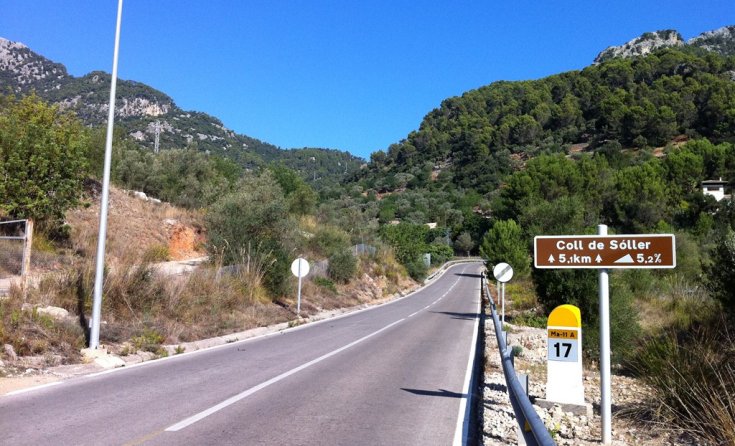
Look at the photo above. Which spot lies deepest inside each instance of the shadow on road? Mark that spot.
(461, 316)
(81, 296)
(476, 276)
(440, 392)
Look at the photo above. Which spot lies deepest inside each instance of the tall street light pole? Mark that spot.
(94, 338)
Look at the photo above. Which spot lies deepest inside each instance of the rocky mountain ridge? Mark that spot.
(143, 111)
(721, 40)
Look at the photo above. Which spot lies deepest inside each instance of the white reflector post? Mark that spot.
(94, 337)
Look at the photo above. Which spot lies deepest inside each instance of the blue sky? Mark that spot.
(347, 75)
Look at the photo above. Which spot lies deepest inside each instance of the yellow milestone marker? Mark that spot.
(564, 366)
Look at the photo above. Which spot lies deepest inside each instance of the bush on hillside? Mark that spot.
(342, 266)
(721, 275)
(579, 287)
(328, 240)
(42, 160)
(504, 242)
(256, 214)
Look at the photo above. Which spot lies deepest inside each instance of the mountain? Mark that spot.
(142, 111)
(672, 90)
(721, 41)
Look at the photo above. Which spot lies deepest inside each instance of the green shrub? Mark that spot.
(342, 266)
(328, 240)
(721, 275)
(255, 215)
(440, 253)
(325, 283)
(41, 149)
(504, 242)
(580, 288)
(417, 270)
(149, 340)
(156, 253)
(530, 319)
(624, 326)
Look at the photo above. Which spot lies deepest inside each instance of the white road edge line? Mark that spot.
(41, 386)
(232, 400)
(462, 431)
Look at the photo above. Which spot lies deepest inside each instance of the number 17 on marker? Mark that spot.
(566, 350)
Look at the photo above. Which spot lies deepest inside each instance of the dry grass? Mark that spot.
(31, 333)
(11, 257)
(674, 302)
(693, 378)
(211, 301)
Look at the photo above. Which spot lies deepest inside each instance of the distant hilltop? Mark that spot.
(721, 40)
(145, 114)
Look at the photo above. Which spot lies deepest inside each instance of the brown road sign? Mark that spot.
(605, 251)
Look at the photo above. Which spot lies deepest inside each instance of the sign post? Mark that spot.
(604, 252)
(299, 268)
(605, 386)
(503, 273)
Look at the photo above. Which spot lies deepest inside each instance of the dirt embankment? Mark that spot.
(137, 228)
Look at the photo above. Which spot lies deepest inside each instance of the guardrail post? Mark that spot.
(25, 269)
(523, 379)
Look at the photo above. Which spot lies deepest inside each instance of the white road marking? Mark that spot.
(232, 400)
(461, 433)
(42, 386)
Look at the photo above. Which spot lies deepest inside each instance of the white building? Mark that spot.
(716, 188)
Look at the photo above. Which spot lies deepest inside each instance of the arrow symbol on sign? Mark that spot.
(551, 258)
(598, 259)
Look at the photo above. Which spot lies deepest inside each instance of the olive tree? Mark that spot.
(42, 160)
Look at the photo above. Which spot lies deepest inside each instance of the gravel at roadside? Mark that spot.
(500, 426)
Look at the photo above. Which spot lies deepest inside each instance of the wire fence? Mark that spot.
(15, 242)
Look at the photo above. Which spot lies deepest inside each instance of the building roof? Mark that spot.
(715, 182)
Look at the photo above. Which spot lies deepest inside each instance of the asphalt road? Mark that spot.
(396, 374)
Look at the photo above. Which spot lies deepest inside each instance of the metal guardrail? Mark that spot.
(452, 263)
(525, 413)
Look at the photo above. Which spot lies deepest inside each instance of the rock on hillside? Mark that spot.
(138, 106)
(721, 40)
(21, 68)
(640, 46)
